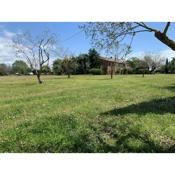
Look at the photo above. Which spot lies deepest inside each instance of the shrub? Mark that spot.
(95, 71)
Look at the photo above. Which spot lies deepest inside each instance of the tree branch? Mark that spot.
(166, 27)
(47, 55)
(164, 39)
(141, 24)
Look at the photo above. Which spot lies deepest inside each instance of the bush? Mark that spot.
(95, 71)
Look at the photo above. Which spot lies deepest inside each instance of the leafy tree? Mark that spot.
(67, 66)
(57, 67)
(74, 65)
(82, 63)
(94, 61)
(134, 64)
(166, 66)
(143, 67)
(137, 66)
(46, 69)
(172, 65)
(20, 67)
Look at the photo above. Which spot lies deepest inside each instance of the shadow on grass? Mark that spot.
(129, 137)
(156, 106)
(71, 134)
(133, 141)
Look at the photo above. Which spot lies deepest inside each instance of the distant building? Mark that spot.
(110, 65)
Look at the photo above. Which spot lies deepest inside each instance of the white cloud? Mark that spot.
(167, 53)
(7, 53)
(8, 34)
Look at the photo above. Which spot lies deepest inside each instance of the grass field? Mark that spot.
(88, 114)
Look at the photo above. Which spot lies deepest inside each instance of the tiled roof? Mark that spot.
(111, 60)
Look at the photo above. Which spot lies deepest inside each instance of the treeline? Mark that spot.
(91, 64)
(150, 64)
(82, 64)
(18, 67)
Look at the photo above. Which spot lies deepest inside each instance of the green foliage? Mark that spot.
(57, 68)
(169, 66)
(67, 66)
(137, 66)
(20, 67)
(166, 66)
(94, 61)
(74, 66)
(79, 64)
(95, 71)
(46, 70)
(172, 65)
(82, 64)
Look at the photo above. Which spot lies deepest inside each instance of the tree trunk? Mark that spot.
(111, 71)
(68, 75)
(143, 73)
(38, 77)
(111, 75)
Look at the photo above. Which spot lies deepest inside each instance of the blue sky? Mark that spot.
(70, 37)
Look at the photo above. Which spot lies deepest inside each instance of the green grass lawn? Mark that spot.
(87, 114)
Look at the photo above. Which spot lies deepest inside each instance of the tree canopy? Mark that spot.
(20, 67)
(37, 50)
(105, 35)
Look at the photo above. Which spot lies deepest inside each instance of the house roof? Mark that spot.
(112, 61)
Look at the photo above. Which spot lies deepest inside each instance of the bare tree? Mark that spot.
(105, 34)
(36, 50)
(154, 61)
